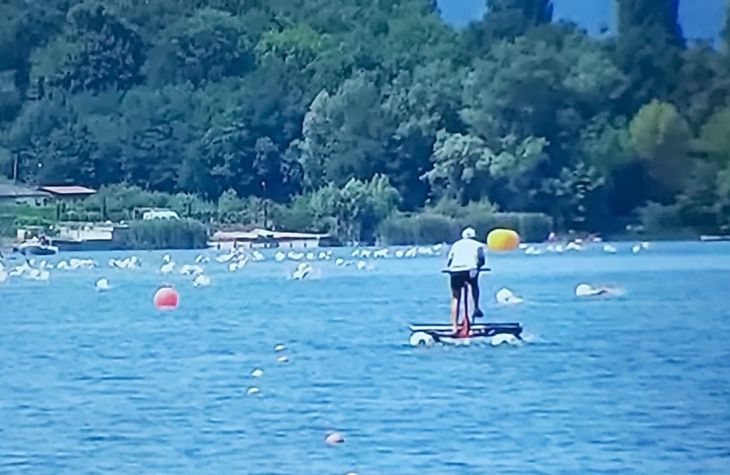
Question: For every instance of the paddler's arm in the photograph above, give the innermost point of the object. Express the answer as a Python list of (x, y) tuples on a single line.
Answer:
[(481, 257)]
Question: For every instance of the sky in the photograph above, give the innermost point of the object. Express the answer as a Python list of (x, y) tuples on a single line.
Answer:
[(701, 19)]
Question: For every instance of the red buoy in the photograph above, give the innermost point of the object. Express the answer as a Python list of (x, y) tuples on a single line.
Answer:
[(166, 298)]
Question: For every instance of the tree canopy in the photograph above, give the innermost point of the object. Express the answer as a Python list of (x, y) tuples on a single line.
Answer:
[(345, 112)]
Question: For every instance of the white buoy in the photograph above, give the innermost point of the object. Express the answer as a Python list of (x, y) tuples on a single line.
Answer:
[(279, 256), (19, 270), (167, 268), (279, 347), (381, 253), (166, 258), (295, 256), (334, 438), (425, 251), (253, 390), (609, 249), (283, 359), (102, 285), (574, 246), (225, 258), (340, 262), (503, 338), (38, 274), (3, 275), (257, 373), (193, 270), (302, 271), (201, 280), (506, 297), (421, 339), (636, 248), (362, 265), (586, 290)]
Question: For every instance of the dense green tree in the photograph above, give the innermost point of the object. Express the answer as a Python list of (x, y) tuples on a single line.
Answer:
[(208, 46), (354, 211), (661, 138), (330, 115), (576, 198), (98, 50), (417, 104), (648, 49), (714, 138), (508, 19), (704, 83), (344, 134), (460, 167), (722, 186), (726, 31), (660, 16)]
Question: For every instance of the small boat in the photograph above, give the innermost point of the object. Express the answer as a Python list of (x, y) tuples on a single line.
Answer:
[(36, 248), (713, 238)]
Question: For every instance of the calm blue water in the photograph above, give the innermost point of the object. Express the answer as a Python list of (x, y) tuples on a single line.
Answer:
[(102, 383)]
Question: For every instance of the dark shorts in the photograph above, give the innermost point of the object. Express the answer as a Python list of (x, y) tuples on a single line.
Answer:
[(461, 278)]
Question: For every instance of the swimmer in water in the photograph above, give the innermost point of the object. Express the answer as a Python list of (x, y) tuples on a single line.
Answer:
[(466, 257)]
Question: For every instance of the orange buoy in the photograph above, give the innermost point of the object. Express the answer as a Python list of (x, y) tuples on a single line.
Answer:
[(166, 298), (503, 240)]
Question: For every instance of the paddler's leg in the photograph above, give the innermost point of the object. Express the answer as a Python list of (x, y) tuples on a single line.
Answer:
[(456, 283), (474, 284)]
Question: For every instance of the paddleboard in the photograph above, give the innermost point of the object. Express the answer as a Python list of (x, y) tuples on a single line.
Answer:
[(429, 333)]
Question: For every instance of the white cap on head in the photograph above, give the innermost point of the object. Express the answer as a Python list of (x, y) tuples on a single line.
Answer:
[(468, 233)]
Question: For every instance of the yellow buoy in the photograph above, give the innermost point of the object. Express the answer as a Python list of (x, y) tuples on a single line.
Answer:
[(503, 240)]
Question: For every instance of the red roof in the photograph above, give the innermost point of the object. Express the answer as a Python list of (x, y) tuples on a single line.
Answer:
[(68, 190)]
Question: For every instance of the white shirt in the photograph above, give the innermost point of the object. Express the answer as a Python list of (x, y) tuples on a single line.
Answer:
[(464, 255)]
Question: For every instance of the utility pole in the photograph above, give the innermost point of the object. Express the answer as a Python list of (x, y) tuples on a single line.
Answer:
[(15, 168), (263, 194)]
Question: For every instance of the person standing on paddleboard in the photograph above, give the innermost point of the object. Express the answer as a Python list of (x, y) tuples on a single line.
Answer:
[(466, 257)]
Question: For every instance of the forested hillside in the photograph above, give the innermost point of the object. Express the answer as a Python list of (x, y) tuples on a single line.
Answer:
[(357, 107)]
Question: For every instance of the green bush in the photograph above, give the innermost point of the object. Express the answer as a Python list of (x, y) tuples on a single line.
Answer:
[(298, 216), (431, 228), (423, 228), (7, 225), (166, 234), (658, 218)]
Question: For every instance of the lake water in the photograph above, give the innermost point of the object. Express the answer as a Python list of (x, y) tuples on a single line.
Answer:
[(103, 383)]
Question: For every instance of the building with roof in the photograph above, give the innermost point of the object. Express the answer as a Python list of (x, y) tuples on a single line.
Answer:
[(13, 193), (68, 191)]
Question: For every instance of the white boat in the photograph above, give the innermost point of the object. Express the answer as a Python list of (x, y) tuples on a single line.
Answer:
[(37, 248)]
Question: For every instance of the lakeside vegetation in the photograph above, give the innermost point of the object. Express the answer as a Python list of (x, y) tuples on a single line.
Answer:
[(368, 120)]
